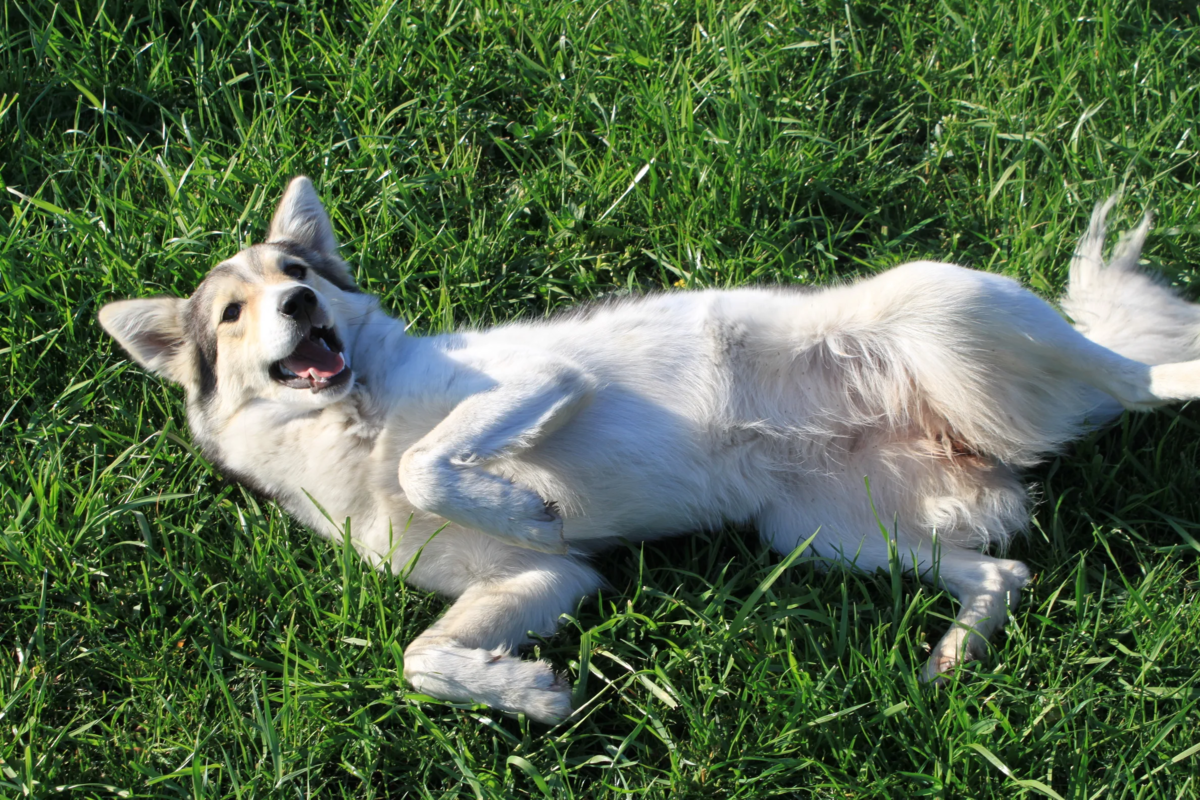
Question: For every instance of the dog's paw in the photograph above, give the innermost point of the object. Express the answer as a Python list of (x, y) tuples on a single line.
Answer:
[(493, 677), (541, 529), (545, 698), (937, 669), (956, 648)]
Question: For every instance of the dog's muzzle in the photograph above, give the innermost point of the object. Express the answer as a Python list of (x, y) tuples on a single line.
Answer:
[(317, 362)]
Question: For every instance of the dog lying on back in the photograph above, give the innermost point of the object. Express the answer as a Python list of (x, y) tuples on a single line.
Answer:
[(491, 463)]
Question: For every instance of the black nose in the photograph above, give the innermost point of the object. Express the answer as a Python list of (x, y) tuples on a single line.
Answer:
[(299, 299)]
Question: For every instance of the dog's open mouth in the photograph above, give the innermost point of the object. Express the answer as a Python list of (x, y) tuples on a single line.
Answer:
[(316, 363)]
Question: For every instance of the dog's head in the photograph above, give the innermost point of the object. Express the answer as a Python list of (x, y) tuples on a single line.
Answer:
[(274, 322)]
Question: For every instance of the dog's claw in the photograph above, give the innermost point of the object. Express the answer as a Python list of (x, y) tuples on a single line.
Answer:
[(543, 533), (550, 511)]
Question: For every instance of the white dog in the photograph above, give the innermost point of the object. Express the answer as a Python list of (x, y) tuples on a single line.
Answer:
[(491, 463)]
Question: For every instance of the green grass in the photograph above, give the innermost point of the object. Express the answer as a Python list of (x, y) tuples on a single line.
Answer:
[(163, 633)]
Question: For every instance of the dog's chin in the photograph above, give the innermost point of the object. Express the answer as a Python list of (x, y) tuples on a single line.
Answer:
[(317, 366)]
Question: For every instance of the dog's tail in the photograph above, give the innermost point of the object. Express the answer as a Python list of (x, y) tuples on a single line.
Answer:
[(1116, 305)]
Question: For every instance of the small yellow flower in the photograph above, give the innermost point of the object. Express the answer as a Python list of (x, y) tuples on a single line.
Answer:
[(681, 283)]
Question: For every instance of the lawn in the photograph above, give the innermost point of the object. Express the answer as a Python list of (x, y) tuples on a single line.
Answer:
[(165, 633)]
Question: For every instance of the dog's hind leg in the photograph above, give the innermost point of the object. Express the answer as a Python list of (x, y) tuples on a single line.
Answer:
[(467, 655), (986, 587), (1006, 372), (1134, 385)]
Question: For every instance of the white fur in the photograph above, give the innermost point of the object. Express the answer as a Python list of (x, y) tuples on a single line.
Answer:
[(490, 463)]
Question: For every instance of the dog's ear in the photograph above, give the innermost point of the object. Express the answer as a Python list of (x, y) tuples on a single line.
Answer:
[(152, 331), (301, 218)]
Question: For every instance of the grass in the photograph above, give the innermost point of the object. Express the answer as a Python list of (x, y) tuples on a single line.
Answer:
[(165, 634)]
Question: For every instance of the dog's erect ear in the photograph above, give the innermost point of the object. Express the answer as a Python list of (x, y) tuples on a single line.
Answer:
[(152, 332), (301, 218)]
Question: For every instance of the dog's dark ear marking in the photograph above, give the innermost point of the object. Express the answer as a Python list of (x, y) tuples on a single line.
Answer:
[(152, 332), (301, 221), (301, 218), (331, 268), (201, 336)]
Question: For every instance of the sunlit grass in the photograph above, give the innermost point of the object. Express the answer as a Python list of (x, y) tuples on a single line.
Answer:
[(164, 633)]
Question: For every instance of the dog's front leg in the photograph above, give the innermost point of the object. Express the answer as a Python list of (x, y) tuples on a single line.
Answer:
[(466, 656), (443, 473)]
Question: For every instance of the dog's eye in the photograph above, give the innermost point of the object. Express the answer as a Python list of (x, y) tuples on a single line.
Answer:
[(231, 312), (296, 271)]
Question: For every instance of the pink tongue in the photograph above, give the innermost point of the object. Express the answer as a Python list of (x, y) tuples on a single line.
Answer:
[(312, 360)]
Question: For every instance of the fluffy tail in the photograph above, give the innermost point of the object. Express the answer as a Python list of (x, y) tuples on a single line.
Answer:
[(1118, 306)]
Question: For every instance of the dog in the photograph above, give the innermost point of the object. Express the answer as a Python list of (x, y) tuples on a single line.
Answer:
[(881, 423)]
